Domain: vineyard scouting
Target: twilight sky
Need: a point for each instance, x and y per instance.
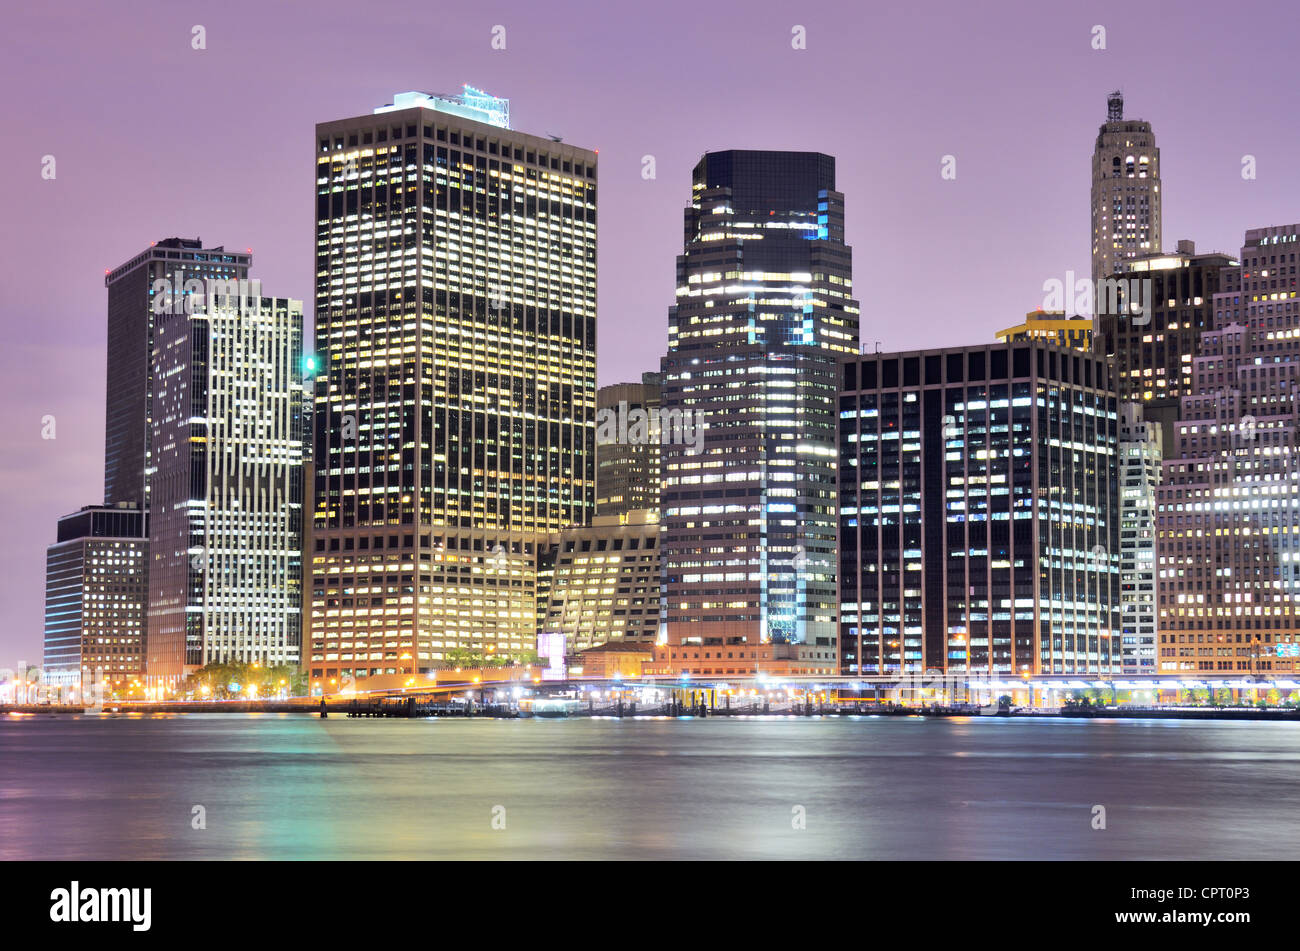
(152, 138)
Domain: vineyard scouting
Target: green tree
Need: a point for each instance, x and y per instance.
(215, 680)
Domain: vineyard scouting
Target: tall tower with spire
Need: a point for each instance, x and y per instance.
(1125, 190)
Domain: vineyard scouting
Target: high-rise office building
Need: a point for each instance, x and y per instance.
(1140, 448)
(627, 446)
(225, 524)
(979, 512)
(96, 588)
(1228, 509)
(455, 417)
(131, 292)
(1155, 343)
(763, 310)
(1125, 191)
(1051, 326)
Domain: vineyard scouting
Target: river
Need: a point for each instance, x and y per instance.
(286, 786)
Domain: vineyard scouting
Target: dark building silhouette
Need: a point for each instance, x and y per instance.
(130, 343)
(1155, 347)
(627, 446)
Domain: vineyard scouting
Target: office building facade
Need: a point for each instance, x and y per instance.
(132, 288)
(455, 414)
(1228, 508)
(96, 590)
(225, 533)
(628, 436)
(979, 512)
(601, 582)
(764, 308)
(1154, 334)
(1140, 452)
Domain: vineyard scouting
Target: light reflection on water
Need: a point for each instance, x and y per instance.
(297, 787)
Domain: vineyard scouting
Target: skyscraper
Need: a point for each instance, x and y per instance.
(1125, 191)
(225, 525)
(627, 446)
(130, 341)
(1228, 511)
(455, 417)
(763, 310)
(979, 512)
(1155, 349)
(96, 587)
(1140, 448)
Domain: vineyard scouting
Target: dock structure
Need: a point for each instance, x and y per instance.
(413, 707)
(929, 693)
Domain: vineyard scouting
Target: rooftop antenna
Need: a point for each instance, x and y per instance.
(1115, 106)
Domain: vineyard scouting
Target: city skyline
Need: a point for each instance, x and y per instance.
(724, 433)
(54, 369)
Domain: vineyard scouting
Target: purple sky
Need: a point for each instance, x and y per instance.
(154, 139)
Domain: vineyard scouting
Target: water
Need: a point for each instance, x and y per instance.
(295, 787)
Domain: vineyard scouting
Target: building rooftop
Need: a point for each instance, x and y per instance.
(470, 104)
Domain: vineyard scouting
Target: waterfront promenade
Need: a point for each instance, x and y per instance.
(417, 708)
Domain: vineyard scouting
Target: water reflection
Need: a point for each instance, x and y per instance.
(281, 786)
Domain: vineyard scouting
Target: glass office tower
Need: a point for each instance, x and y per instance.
(979, 512)
(763, 310)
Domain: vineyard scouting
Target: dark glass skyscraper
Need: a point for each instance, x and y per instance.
(764, 308)
(979, 519)
(129, 397)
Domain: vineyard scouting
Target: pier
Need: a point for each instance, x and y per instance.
(417, 707)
